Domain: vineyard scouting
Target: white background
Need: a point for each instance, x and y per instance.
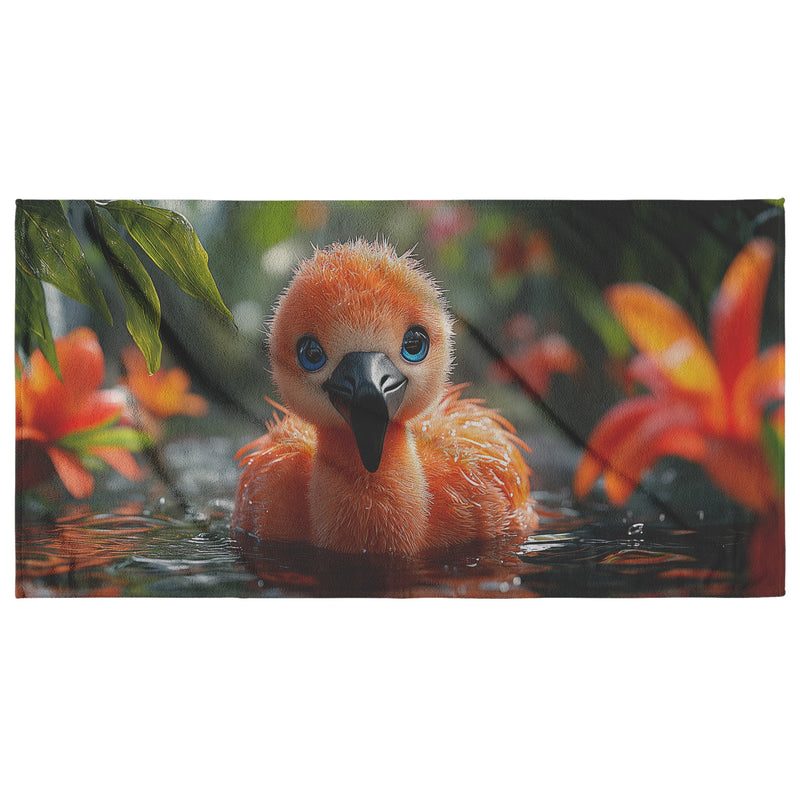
(423, 698)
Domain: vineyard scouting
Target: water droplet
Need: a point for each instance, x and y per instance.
(701, 514)
(517, 580)
(363, 549)
(636, 529)
(662, 517)
(504, 587)
(260, 584)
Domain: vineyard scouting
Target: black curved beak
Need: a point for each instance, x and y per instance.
(367, 389)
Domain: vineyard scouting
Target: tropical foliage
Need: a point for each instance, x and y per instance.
(48, 250)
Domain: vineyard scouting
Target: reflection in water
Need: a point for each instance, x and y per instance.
(137, 550)
(305, 570)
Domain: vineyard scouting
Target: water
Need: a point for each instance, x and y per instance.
(134, 552)
(152, 544)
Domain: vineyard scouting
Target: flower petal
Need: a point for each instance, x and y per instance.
(101, 408)
(738, 307)
(537, 362)
(674, 431)
(75, 477)
(741, 471)
(31, 434)
(80, 359)
(24, 400)
(557, 354)
(762, 381)
(660, 328)
(194, 405)
(120, 459)
(607, 435)
(59, 407)
(644, 370)
(165, 392)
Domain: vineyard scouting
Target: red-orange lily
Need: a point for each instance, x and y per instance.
(163, 394)
(705, 405)
(534, 358)
(66, 427)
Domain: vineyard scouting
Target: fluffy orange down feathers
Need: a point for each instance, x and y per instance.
(374, 451)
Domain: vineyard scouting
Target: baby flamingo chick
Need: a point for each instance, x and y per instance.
(375, 452)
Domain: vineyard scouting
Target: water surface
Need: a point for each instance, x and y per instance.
(170, 537)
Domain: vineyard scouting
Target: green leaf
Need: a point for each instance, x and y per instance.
(31, 319)
(588, 302)
(104, 436)
(169, 239)
(142, 306)
(93, 463)
(774, 450)
(48, 250)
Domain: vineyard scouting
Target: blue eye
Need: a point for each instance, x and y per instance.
(416, 344)
(310, 354)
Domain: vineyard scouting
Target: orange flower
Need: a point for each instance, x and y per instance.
(163, 394)
(520, 251)
(534, 358)
(65, 427)
(705, 405)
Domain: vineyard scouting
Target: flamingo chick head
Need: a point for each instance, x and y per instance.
(360, 339)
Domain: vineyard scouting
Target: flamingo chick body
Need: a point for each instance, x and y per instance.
(375, 452)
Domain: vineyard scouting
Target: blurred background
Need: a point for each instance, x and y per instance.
(524, 281)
